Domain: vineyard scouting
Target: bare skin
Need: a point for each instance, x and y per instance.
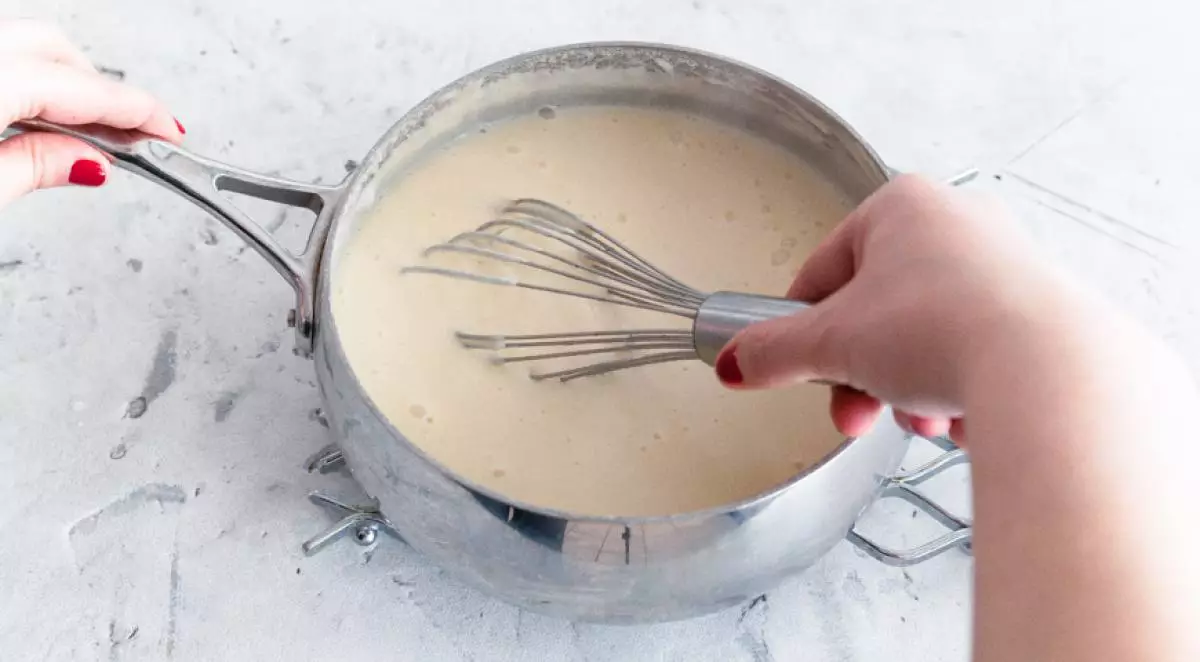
(1071, 413)
(43, 75)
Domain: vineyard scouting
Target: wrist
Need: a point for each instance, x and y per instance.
(1056, 348)
(1033, 325)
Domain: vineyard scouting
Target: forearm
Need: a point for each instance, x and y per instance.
(1074, 424)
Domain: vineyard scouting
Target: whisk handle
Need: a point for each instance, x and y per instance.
(723, 314)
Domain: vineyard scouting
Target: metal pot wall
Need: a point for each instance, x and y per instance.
(598, 569)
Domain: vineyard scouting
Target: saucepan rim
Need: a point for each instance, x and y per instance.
(327, 324)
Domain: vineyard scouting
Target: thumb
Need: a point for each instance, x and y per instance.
(803, 347)
(33, 161)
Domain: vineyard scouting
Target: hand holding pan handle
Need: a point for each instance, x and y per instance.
(202, 181)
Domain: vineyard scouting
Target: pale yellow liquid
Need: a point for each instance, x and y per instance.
(713, 206)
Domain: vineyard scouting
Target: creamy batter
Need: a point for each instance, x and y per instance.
(715, 207)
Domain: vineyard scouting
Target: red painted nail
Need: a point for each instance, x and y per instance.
(727, 367)
(87, 173)
(179, 126)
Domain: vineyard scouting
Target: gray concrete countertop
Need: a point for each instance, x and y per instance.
(154, 423)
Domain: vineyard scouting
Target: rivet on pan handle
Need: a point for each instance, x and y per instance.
(903, 486)
(201, 180)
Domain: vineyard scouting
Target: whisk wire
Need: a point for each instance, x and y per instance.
(523, 358)
(606, 367)
(585, 255)
(619, 338)
(570, 219)
(623, 295)
(553, 216)
(597, 257)
(499, 280)
(594, 267)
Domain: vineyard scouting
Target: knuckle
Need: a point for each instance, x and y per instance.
(911, 192)
(906, 200)
(911, 184)
(754, 347)
(34, 154)
(826, 348)
(798, 346)
(141, 105)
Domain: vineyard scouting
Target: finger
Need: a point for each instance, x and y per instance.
(802, 347)
(924, 426)
(62, 94)
(958, 432)
(24, 38)
(32, 161)
(837, 258)
(853, 412)
(829, 267)
(930, 427)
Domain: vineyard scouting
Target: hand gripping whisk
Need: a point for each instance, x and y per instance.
(588, 263)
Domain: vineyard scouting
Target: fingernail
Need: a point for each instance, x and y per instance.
(179, 126)
(87, 173)
(727, 367)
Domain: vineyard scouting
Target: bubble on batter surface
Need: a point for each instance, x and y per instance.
(417, 411)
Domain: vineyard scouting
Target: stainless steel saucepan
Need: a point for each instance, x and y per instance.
(590, 568)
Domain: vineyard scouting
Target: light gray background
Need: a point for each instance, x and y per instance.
(177, 534)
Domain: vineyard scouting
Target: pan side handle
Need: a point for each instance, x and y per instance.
(903, 485)
(202, 181)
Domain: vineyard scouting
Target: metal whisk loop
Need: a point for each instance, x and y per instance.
(587, 343)
(589, 264)
(625, 297)
(592, 258)
(545, 239)
(599, 258)
(606, 367)
(595, 259)
(680, 338)
(542, 210)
